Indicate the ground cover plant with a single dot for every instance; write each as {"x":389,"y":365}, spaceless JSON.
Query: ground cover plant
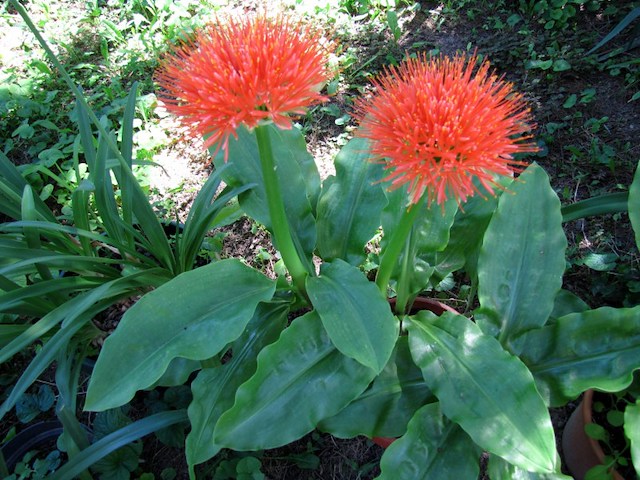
{"x":578,"y":124}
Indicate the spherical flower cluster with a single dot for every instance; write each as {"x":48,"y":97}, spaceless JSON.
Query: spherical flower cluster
{"x":438,"y":125}
{"x":246,"y":71}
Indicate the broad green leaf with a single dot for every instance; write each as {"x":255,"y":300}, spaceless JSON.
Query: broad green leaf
{"x":632,"y":431}
{"x":567,"y":302}
{"x":354,"y":313}
{"x":192,"y":316}
{"x":433,"y":447}
{"x":30,"y":405}
{"x":177,"y":373}
{"x":458,"y":362}
{"x":592,"y":349}
{"x":301,"y":379}
{"x":214,"y":389}
{"x":500,"y":469}
{"x":634,"y":204}
{"x":429,"y":234}
{"x":522,"y":259}
{"x":298,"y":178}
{"x":385,"y":408}
{"x":350,"y":204}
{"x":466,"y":233}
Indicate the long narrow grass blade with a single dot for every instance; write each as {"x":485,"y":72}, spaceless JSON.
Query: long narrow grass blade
{"x":600,"y":205}
{"x":631,"y":16}
{"x":31,"y":235}
{"x":72,"y":316}
{"x":202,"y":215}
{"x":99,"y":240}
{"x":37,"y":293}
{"x":80,"y":203}
{"x":12,"y":186}
{"x":142,"y":210}
{"x":105,"y":195}
{"x":75,"y":319}
{"x":126,"y":149}
{"x":117,"y":439}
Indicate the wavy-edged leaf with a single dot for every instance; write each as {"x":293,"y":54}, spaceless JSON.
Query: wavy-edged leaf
{"x":356,"y":317}
{"x":301,"y":379}
{"x":522,"y":259}
{"x":500,"y":469}
{"x":192,"y":316}
{"x":455,"y":357}
{"x":350,"y":204}
{"x":385,"y":408}
{"x":592,"y":349}
{"x":214,"y":389}
{"x":433,"y":447}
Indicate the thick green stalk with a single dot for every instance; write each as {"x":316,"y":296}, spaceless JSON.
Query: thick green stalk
{"x":279,"y":223}
{"x":402,"y":288}
{"x":394,"y":247}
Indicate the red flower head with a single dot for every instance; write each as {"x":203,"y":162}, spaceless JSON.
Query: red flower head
{"x":437,"y":126}
{"x":244,"y":71}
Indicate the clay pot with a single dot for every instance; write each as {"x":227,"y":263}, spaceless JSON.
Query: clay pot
{"x":582,"y":452}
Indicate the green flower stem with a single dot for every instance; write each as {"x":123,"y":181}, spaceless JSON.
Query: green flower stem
{"x":394,"y":248}
{"x":279,"y":223}
{"x":402,"y":288}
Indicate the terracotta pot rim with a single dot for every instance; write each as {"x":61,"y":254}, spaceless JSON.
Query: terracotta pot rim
{"x":428,"y":303}
{"x":587,"y":413}
{"x":587,"y":407}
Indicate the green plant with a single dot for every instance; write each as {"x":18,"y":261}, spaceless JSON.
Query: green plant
{"x":57,"y":274}
{"x":349,"y":364}
{"x":615,"y":421}
{"x":616,"y":67}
